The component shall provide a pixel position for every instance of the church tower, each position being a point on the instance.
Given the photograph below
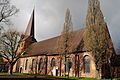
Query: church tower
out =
(29, 36)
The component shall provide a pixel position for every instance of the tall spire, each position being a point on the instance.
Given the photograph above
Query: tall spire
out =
(94, 14)
(30, 27)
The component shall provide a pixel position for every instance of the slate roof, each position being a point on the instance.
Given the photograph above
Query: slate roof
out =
(49, 46)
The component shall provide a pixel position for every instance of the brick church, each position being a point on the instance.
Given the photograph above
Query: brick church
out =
(43, 57)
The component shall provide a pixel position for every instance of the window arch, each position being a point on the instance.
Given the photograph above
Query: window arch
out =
(53, 62)
(68, 65)
(40, 65)
(26, 64)
(86, 61)
(33, 64)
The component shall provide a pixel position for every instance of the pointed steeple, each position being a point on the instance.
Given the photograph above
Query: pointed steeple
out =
(28, 37)
(30, 27)
(94, 13)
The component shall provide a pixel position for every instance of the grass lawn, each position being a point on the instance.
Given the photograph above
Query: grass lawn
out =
(25, 75)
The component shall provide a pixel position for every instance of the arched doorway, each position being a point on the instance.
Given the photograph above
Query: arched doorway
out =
(54, 67)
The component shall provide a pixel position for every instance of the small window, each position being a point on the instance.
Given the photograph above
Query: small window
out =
(26, 63)
(86, 62)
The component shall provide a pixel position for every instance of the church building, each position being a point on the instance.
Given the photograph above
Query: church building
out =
(48, 57)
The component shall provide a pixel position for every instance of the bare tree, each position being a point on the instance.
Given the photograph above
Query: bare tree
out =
(64, 42)
(118, 48)
(6, 10)
(97, 42)
(9, 45)
(97, 36)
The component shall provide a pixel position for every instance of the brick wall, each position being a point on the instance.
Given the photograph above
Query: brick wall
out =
(77, 68)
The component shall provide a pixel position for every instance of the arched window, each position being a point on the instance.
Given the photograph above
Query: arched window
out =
(86, 61)
(40, 65)
(68, 65)
(26, 63)
(33, 64)
(53, 62)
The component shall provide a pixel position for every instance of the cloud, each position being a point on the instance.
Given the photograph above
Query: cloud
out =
(49, 16)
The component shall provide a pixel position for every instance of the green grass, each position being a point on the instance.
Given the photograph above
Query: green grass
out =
(49, 76)
(14, 74)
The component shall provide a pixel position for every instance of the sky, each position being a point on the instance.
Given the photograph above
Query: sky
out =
(49, 16)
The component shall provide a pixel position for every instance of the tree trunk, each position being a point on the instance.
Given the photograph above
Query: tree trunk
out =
(11, 69)
(99, 73)
(68, 73)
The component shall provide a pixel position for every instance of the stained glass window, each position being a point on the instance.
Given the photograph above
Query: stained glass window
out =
(40, 65)
(26, 63)
(33, 64)
(86, 62)
(68, 65)
(53, 62)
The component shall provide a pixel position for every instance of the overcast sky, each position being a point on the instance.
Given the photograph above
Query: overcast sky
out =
(49, 16)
